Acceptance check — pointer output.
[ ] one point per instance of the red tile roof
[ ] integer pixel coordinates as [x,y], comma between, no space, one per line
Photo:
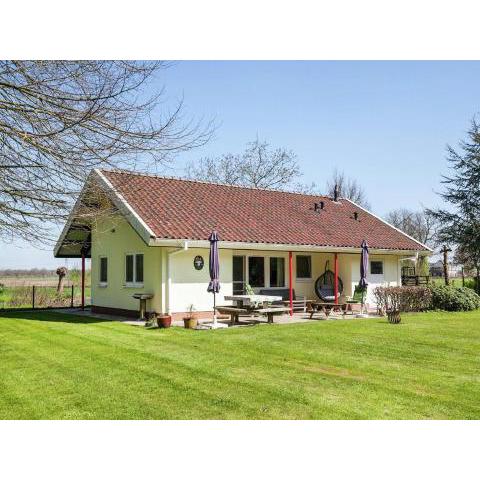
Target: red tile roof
[188,209]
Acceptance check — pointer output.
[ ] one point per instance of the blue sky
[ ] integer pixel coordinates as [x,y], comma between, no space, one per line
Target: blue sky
[385,123]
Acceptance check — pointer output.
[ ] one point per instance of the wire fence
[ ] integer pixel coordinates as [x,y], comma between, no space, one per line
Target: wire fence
[41,296]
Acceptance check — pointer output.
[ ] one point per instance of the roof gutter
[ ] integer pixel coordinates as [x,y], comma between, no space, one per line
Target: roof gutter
[167,242]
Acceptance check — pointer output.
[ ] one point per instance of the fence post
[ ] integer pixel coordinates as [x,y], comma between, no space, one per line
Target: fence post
[71,300]
[33,297]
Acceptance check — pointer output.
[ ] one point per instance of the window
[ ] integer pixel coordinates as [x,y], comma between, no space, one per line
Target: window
[304,266]
[277,272]
[376,268]
[129,269]
[139,268]
[103,270]
[256,271]
[134,268]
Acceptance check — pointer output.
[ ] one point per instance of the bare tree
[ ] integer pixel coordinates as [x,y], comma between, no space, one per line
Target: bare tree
[258,166]
[60,119]
[347,188]
[418,225]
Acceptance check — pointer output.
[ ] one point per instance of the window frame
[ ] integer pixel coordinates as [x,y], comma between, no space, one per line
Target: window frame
[381,262]
[303,279]
[102,283]
[135,283]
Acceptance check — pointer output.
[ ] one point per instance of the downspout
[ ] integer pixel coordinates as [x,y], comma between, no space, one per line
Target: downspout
[169,274]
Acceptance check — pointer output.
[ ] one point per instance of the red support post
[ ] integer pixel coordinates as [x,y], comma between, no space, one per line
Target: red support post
[335,272]
[83,280]
[290,283]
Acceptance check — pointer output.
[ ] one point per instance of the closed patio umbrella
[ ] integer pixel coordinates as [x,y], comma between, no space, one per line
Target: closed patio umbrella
[214,267]
[364,265]
[363,269]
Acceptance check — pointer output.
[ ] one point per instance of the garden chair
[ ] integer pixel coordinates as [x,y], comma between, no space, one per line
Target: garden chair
[358,298]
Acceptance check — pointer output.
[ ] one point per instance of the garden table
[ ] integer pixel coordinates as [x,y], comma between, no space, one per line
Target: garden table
[251,301]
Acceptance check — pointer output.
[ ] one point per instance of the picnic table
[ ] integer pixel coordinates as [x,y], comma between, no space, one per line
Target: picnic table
[252,305]
[235,312]
[251,301]
[327,308]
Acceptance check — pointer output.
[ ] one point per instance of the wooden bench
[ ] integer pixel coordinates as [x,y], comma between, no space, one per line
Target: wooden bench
[270,312]
[234,312]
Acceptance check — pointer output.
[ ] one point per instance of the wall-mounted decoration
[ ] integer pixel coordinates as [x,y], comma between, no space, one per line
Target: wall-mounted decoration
[198,262]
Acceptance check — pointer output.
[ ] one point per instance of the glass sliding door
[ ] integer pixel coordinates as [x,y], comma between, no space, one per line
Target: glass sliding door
[256,271]
[238,275]
[277,272]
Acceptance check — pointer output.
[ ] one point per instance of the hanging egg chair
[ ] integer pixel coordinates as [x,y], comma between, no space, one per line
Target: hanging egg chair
[325,285]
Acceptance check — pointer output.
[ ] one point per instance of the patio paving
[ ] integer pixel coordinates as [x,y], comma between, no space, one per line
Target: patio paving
[297,317]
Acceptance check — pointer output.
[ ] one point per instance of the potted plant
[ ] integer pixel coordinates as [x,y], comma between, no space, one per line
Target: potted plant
[190,319]
[164,320]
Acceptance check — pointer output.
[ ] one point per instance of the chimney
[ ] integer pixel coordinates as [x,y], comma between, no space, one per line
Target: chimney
[319,206]
[335,193]
[355,215]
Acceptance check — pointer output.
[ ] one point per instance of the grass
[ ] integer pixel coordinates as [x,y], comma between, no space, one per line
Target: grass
[58,366]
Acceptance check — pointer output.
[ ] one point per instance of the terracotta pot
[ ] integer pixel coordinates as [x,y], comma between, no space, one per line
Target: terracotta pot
[190,322]
[164,321]
[394,316]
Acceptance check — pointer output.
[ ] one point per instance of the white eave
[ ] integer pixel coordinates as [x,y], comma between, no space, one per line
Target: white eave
[170,242]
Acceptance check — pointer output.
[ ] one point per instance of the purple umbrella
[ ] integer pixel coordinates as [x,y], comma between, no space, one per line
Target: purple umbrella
[363,270]
[214,266]
[363,265]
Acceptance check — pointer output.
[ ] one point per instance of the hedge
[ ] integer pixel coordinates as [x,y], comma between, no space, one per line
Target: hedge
[454,299]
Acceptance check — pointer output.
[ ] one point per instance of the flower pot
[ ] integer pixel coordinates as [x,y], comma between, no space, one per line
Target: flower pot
[394,316]
[164,321]
[190,322]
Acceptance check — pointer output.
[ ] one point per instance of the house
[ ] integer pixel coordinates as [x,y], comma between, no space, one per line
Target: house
[437,270]
[154,240]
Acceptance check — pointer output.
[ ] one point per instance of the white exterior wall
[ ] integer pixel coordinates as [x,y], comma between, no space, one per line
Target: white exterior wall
[189,286]
[391,274]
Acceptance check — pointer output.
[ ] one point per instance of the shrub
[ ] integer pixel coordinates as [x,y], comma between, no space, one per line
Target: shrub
[403,299]
[471,283]
[454,299]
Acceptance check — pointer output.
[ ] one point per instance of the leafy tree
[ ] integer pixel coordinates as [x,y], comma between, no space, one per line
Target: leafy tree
[460,225]
[60,119]
[347,188]
[258,166]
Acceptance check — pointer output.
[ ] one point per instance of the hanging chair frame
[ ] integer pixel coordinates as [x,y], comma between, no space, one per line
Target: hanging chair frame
[326,282]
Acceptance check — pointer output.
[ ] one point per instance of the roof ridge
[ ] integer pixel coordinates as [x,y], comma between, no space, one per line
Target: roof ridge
[205,182]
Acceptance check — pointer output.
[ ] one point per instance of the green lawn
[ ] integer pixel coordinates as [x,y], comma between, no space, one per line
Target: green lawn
[56,366]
